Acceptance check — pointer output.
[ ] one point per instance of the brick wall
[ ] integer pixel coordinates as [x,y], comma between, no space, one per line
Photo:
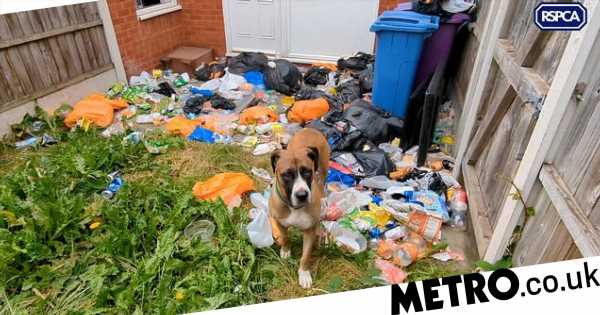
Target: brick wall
[142,43]
[204,24]
[200,23]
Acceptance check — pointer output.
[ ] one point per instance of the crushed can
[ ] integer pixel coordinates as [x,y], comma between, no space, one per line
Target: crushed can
[116,182]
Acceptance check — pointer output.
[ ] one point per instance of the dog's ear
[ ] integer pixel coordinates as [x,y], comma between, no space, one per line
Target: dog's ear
[313,154]
[274,158]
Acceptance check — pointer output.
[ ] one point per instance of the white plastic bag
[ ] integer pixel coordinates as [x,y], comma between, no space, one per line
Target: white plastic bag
[230,82]
[349,199]
[259,230]
[265,148]
[211,85]
[348,239]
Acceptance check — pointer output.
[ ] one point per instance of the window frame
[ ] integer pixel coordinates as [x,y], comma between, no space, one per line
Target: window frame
[157,10]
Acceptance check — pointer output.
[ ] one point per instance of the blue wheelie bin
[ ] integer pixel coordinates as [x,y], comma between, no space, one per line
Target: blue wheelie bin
[400,36]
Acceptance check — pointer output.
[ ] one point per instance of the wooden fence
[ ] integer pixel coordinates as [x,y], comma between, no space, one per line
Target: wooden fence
[529,126]
[42,51]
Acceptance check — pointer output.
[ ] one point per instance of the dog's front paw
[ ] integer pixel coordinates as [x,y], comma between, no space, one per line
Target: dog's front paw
[285,253]
[304,279]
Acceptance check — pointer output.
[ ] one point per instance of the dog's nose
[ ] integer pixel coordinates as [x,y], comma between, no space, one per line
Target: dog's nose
[302,195]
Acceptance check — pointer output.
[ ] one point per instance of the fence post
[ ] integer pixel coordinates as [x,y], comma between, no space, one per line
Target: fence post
[481,70]
[111,40]
[555,105]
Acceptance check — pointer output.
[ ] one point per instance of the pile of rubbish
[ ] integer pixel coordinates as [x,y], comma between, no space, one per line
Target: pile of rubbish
[377,197]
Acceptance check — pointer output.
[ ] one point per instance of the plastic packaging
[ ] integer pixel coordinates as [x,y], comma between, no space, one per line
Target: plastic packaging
[459,206]
[282,76]
[307,110]
[265,148]
[348,239]
[202,135]
[29,142]
[227,186]
[255,78]
[262,174]
[396,233]
[424,224]
[180,125]
[230,82]
[202,229]
[349,200]
[390,273]
[95,108]
[396,192]
[380,182]
[401,173]
[259,230]
[257,115]
[211,85]
[431,201]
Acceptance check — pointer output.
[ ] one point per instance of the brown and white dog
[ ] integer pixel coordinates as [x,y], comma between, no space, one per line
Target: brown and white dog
[300,173]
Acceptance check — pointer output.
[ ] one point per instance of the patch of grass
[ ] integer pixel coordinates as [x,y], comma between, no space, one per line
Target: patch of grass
[199,161]
[138,260]
[428,268]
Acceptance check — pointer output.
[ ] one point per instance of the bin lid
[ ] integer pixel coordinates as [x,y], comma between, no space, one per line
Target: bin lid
[458,18]
[405,21]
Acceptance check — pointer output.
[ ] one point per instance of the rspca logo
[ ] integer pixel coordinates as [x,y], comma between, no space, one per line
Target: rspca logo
[560,16]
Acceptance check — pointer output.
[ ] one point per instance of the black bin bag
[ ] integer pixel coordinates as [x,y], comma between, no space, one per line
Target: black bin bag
[283,77]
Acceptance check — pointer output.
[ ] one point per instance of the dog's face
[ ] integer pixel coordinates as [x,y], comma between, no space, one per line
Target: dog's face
[294,171]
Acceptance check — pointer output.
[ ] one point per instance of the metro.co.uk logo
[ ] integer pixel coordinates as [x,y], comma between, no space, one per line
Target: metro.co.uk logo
[560,16]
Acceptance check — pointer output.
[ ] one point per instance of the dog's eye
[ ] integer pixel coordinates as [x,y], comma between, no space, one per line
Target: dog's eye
[306,173]
[287,176]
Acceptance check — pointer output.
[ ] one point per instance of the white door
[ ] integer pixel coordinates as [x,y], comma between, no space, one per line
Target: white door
[252,25]
[300,30]
[327,30]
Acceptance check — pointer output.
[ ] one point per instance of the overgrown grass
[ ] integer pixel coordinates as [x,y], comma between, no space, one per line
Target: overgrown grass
[138,260]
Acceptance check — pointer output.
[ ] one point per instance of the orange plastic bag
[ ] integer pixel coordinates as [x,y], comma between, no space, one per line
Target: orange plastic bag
[329,66]
[222,124]
[95,108]
[308,110]
[96,111]
[115,104]
[180,125]
[257,115]
[227,186]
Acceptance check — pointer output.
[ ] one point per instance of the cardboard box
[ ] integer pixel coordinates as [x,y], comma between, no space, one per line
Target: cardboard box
[186,59]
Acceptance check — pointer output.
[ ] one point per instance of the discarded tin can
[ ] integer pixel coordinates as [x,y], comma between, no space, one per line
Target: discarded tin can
[115,184]
[375,233]
[134,137]
[48,139]
[37,126]
[181,80]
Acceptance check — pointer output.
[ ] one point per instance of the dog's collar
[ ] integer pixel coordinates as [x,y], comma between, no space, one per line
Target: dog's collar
[282,198]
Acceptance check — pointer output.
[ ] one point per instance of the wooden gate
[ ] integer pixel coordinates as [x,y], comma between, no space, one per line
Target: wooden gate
[45,50]
[530,128]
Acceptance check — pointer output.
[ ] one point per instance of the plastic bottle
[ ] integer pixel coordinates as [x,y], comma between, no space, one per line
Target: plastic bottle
[398,232]
[427,225]
[115,184]
[458,200]
[459,206]
[408,252]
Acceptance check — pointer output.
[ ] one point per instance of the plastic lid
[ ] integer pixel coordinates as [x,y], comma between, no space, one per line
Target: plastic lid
[406,21]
